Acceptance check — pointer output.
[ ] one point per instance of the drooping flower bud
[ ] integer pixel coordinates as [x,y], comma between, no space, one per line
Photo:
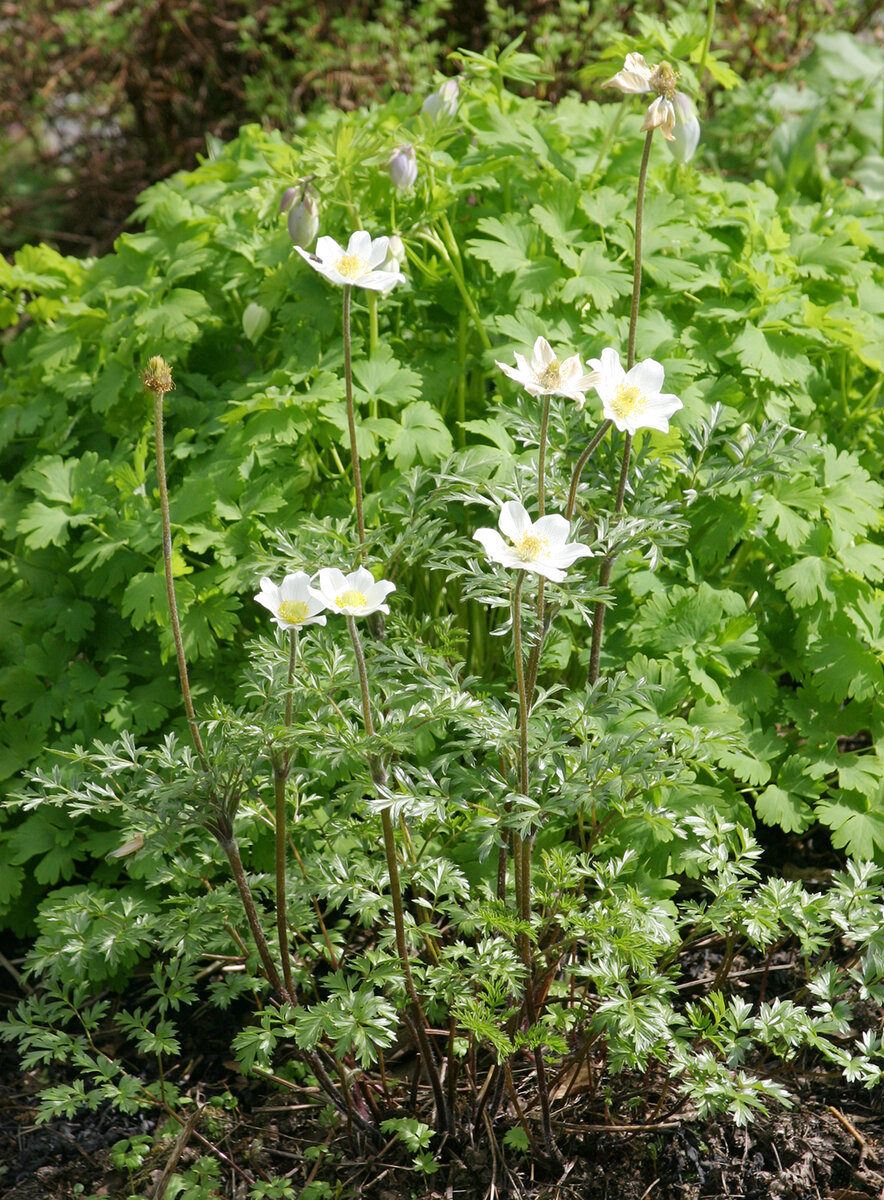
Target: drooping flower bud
[303,219]
[403,167]
[396,255]
[686,134]
[442,102]
[288,198]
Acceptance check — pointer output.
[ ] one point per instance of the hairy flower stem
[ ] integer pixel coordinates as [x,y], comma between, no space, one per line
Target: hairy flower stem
[522,865]
[230,846]
[170,582]
[281,765]
[598,618]
[379,775]
[351,419]
[581,463]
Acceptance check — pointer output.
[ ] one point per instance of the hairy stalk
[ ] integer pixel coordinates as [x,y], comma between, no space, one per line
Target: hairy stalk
[230,846]
[159,384]
[281,766]
[379,775]
[598,619]
[447,245]
[581,463]
[522,856]
[351,419]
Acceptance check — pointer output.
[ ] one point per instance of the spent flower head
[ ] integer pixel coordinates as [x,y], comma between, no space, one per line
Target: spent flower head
[362,264]
[355,595]
[668,110]
[157,378]
[292,603]
[545,375]
[633,399]
[540,546]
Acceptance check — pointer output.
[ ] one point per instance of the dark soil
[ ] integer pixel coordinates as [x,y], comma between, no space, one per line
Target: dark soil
[830,1147]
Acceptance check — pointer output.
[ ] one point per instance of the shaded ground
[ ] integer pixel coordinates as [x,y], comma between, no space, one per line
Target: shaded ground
[830,1147]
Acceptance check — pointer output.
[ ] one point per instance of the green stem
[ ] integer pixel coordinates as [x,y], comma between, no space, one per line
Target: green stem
[581,463]
[170,583]
[637,270]
[598,620]
[447,243]
[707,41]
[230,847]
[598,617]
[379,775]
[281,765]
[541,457]
[522,854]
[351,419]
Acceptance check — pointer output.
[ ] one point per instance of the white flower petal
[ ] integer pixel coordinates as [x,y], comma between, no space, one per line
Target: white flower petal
[554,529]
[514,521]
[647,376]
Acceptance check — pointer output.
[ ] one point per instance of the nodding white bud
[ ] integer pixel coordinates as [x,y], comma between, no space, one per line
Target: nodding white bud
[442,103]
[303,220]
[403,167]
[395,253]
[288,198]
[686,134]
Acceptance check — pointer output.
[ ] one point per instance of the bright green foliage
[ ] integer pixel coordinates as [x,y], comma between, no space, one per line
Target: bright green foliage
[742,660]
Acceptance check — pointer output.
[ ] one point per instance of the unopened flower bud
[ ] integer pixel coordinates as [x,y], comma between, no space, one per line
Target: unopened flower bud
[303,221]
[288,198]
[442,102]
[403,167]
[395,253]
[687,129]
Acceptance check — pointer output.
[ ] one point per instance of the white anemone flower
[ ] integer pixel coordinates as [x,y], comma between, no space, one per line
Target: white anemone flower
[546,376]
[362,264]
[633,399]
[355,595]
[540,546]
[292,603]
[672,112]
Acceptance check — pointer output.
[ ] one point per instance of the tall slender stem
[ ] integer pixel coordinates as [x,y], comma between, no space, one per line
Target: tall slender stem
[230,846]
[707,41]
[541,456]
[351,418]
[598,619]
[281,764]
[637,269]
[522,855]
[170,581]
[379,775]
[581,463]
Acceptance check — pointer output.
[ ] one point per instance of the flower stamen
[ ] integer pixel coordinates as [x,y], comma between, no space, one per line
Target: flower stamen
[529,547]
[663,80]
[628,402]
[351,598]
[293,612]
[351,266]
[551,377]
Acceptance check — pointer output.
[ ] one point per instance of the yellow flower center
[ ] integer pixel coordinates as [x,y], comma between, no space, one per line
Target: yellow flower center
[663,81]
[628,401]
[529,548]
[551,377]
[350,599]
[293,612]
[351,266]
